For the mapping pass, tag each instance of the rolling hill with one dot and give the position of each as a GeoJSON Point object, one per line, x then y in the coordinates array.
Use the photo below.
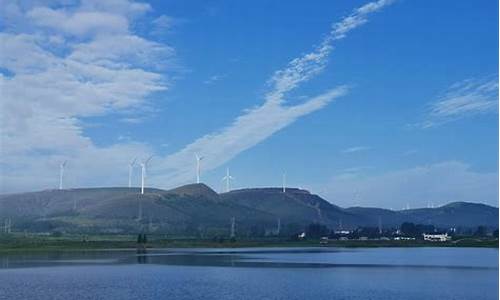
{"type": "Point", "coordinates": [196, 209]}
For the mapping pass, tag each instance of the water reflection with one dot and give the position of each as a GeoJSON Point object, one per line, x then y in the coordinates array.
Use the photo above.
{"type": "Point", "coordinates": [5, 262]}
{"type": "Point", "coordinates": [142, 256]}
{"type": "Point", "coordinates": [379, 274]}
{"type": "Point", "coordinates": [250, 258]}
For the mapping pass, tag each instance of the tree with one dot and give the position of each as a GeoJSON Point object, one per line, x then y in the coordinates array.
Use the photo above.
{"type": "Point", "coordinates": [142, 239]}
{"type": "Point", "coordinates": [409, 229]}
{"type": "Point", "coordinates": [370, 232]}
{"type": "Point", "coordinates": [257, 231]}
{"type": "Point", "coordinates": [292, 229]}
{"type": "Point", "coordinates": [316, 230]}
{"type": "Point", "coordinates": [480, 231]}
{"type": "Point", "coordinates": [421, 228]}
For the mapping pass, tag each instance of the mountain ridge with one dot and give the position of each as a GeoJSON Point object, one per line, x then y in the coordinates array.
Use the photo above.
{"type": "Point", "coordinates": [198, 209]}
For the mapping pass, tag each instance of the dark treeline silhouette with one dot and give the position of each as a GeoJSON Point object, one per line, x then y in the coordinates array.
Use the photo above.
{"type": "Point", "coordinates": [142, 238]}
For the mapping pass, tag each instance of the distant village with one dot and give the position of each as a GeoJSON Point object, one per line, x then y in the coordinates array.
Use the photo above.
{"type": "Point", "coordinates": [407, 231]}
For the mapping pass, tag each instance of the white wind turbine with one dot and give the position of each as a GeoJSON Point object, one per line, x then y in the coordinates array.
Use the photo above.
{"type": "Point", "coordinates": [143, 172]}
{"type": "Point", "coordinates": [130, 170]}
{"type": "Point", "coordinates": [198, 171]}
{"type": "Point", "coordinates": [284, 182]}
{"type": "Point", "coordinates": [61, 173]}
{"type": "Point", "coordinates": [228, 179]}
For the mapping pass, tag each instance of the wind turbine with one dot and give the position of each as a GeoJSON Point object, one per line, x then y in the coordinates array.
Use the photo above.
{"type": "Point", "coordinates": [228, 179]}
{"type": "Point", "coordinates": [143, 172]}
{"type": "Point", "coordinates": [379, 225]}
{"type": "Point", "coordinates": [61, 173]}
{"type": "Point", "coordinates": [284, 182]}
{"type": "Point", "coordinates": [130, 169]}
{"type": "Point", "coordinates": [198, 160]}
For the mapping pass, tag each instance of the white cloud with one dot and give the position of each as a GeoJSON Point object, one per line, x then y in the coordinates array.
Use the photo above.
{"type": "Point", "coordinates": [127, 8]}
{"type": "Point", "coordinates": [165, 24]}
{"type": "Point", "coordinates": [213, 79]}
{"type": "Point", "coordinates": [437, 183]}
{"type": "Point", "coordinates": [47, 90]}
{"type": "Point", "coordinates": [356, 149]}
{"type": "Point", "coordinates": [410, 152]}
{"type": "Point", "coordinates": [79, 24]}
{"type": "Point", "coordinates": [133, 120]}
{"type": "Point", "coordinates": [119, 51]}
{"type": "Point", "coordinates": [464, 99]}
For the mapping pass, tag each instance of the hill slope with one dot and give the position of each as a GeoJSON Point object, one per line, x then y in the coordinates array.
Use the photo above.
{"type": "Point", "coordinates": [294, 206]}
{"type": "Point", "coordinates": [455, 214]}
{"type": "Point", "coordinates": [196, 209]}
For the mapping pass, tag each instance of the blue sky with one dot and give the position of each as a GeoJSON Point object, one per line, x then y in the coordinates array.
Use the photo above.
{"type": "Point", "coordinates": [407, 112]}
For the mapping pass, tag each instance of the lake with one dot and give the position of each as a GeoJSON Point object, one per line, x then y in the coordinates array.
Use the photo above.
{"type": "Point", "coordinates": [253, 273]}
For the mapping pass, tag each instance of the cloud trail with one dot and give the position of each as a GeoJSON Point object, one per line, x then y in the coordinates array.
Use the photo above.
{"type": "Point", "coordinates": [261, 122]}
{"type": "Point", "coordinates": [464, 99]}
{"type": "Point", "coordinates": [356, 149]}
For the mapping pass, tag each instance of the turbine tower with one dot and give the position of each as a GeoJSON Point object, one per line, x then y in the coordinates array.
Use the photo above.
{"type": "Point", "coordinates": [228, 179]}
{"type": "Point", "coordinates": [278, 229]}
{"type": "Point", "coordinates": [8, 225]}
{"type": "Point", "coordinates": [130, 170]}
{"type": "Point", "coordinates": [380, 225]}
{"type": "Point", "coordinates": [143, 172]}
{"type": "Point", "coordinates": [284, 182]}
{"type": "Point", "coordinates": [198, 160]}
{"type": "Point", "coordinates": [233, 231]}
{"type": "Point", "coordinates": [61, 173]}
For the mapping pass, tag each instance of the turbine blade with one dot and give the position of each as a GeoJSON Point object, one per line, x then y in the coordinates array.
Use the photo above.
{"type": "Point", "coordinates": [147, 160]}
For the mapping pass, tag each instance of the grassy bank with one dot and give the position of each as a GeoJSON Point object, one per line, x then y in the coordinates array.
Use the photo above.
{"type": "Point", "coordinates": [13, 242]}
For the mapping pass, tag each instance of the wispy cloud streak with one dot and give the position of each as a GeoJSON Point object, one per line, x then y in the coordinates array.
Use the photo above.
{"type": "Point", "coordinates": [355, 149]}
{"type": "Point", "coordinates": [463, 99]}
{"type": "Point", "coordinates": [305, 67]}
{"type": "Point", "coordinates": [261, 122]}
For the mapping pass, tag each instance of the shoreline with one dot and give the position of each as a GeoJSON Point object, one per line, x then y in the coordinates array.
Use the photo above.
{"type": "Point", "coordinates": [39, 244]}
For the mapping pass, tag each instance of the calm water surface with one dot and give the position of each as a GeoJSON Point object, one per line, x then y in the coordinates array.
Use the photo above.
{"type": "Point", "coordinates": [256, 273]}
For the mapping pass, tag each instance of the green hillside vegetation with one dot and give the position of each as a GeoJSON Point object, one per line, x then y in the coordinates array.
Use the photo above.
{"type": "Point", "coordinates": [198, 211]}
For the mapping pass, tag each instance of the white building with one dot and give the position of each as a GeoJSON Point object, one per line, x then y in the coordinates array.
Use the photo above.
{"type": "Point", "coordinates": [436, 237]}
{"type": "Point", "coordinates": [342, 232]}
